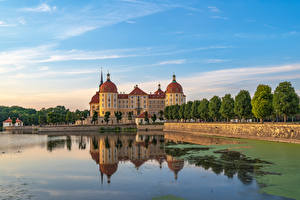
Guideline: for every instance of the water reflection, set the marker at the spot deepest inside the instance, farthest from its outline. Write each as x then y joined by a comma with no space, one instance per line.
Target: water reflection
110,150
146,163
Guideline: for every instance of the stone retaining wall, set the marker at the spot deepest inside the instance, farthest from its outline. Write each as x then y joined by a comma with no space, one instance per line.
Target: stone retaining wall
266,131
150,127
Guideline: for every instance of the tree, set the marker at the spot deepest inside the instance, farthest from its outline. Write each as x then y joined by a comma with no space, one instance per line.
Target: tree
154,117
166,112
194,112
227,107
175,112
106,116
130,114
214,107
161,115
146,118
203,109
187,110
95,117
181,111
286,100
242,104
118,116
70,118
262,102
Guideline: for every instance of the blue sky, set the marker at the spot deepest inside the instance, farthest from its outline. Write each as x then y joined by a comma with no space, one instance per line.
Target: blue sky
51,51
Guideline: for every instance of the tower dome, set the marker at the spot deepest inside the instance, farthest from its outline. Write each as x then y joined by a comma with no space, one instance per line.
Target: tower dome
108,86
174,87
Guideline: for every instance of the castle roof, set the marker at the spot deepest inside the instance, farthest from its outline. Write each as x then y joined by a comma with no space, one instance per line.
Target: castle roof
174,87
108,86
122,96
95,98
137,91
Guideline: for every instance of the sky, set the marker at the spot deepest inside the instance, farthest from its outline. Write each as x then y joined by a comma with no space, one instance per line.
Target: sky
52,51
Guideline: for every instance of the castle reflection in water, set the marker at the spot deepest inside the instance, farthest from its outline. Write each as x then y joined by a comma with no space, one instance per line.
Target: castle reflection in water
109,151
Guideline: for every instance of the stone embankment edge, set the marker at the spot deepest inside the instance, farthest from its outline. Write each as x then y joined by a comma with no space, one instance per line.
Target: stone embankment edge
289,133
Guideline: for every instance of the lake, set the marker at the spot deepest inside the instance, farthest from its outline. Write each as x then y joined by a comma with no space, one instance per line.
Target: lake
146,165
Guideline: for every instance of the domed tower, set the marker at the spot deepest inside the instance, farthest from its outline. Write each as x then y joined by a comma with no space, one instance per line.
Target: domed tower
174,93
108,97
175,165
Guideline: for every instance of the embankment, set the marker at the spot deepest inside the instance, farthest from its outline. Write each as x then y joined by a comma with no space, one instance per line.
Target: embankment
66,128
267,131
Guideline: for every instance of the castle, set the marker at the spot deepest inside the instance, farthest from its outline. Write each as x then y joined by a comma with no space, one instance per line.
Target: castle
107,99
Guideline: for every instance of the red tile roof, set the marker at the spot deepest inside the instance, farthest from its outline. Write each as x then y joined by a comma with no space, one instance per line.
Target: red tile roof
95,98
137,91
18,120
123,96
155,96
174,87
108,86
142,115
8,120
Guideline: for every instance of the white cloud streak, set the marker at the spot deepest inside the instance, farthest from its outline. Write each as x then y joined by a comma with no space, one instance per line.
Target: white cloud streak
44,7
213,9
172,62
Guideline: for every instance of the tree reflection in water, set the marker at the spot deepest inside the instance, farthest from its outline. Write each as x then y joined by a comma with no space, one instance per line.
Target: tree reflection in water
108,150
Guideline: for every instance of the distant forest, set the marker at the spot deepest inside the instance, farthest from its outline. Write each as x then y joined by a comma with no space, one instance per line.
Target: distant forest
29,116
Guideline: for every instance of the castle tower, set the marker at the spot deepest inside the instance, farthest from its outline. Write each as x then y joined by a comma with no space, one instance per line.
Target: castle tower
108,97
174,93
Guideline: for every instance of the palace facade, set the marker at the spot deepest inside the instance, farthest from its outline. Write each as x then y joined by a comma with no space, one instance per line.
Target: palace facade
108,99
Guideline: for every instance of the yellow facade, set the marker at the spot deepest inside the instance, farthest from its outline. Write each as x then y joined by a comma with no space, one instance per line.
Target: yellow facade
137,101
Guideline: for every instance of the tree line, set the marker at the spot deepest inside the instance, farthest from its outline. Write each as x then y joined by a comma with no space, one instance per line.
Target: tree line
281,104
56,115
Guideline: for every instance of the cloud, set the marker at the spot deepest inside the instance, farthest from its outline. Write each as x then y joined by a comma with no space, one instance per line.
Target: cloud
4,24
172,62
219,17
219,82
212,61
213,9
196,86
40,8
76,31
130,22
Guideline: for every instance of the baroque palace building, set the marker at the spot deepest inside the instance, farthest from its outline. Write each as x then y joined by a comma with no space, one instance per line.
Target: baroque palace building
107,99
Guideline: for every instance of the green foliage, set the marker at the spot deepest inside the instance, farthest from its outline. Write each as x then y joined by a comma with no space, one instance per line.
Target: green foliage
262,102
242,105
154,118
146,118
214,107
106,117
118,115
161,115
175,111
227,107
286,100
167,112
194,112
95,117
187,110
130,114
203,109
181,111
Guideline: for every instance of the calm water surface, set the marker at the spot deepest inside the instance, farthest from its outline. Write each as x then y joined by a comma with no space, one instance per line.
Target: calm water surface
129,166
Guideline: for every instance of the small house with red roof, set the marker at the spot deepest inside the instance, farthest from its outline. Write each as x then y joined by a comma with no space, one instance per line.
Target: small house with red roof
18,122
9,123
